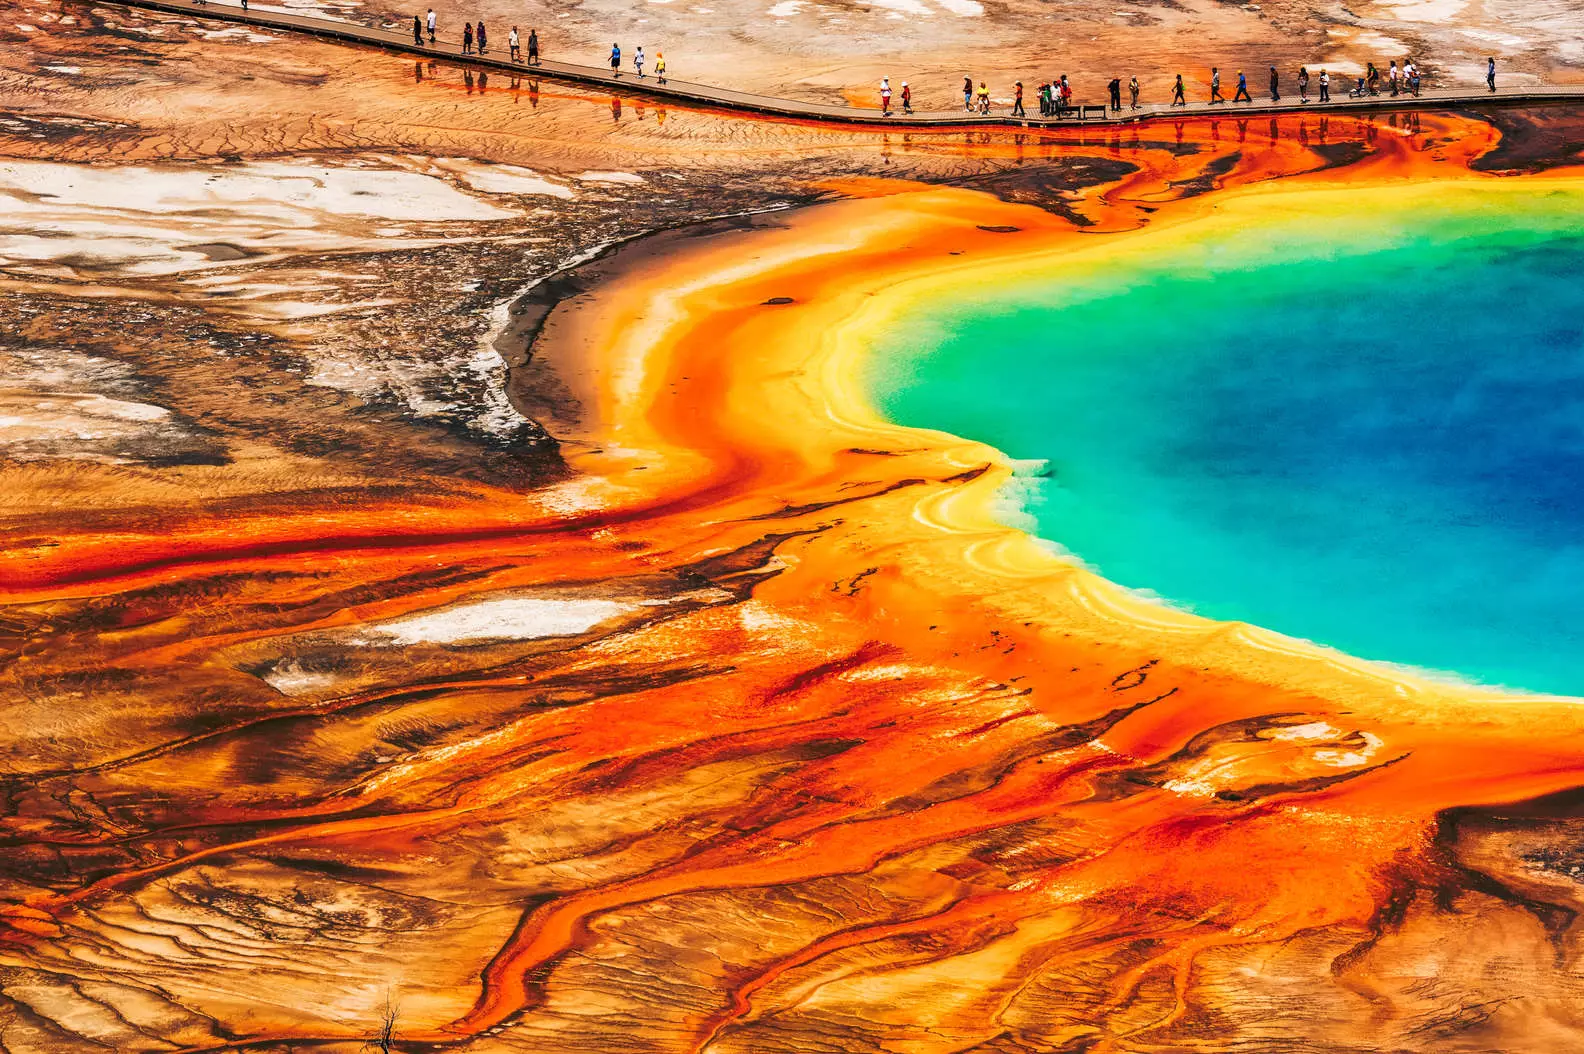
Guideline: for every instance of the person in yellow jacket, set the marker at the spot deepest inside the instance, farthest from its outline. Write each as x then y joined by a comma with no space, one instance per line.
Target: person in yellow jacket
984,98
660,66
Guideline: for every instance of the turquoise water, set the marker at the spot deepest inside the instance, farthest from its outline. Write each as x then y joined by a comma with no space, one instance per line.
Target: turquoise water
1369,435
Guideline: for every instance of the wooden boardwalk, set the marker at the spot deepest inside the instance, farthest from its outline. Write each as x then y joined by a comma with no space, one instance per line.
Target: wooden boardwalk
709,96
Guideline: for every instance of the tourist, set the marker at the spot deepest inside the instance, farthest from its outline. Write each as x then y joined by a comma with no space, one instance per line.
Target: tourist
1490,72
1325,86
514,45
638,61
1242,95
417,31
1372,80
616,60
1116,93
483,40
1045,99
1178,99
660,66
1017,100
1066,94
984,98
533,47
1215,87
1392,75
1275,85
1411,73
431,22
1303,83
1133,92
467,38
244,5
885,96
907,98
968,94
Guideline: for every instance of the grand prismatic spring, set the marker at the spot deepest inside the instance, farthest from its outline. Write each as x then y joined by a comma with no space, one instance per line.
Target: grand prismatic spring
492,566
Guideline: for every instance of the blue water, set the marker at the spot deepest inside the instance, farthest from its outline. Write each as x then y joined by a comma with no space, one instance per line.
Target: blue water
1377,445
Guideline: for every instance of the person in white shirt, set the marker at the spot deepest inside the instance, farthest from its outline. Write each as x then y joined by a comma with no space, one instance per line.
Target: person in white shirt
512,46
431,22
638,61
885,96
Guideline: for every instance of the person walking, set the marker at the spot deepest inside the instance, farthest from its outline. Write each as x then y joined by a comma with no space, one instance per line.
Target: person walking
467,38
1411,73
1392,76
885,96
984,98
660,66
1178,99
1303,83
1215,87
1372,80
1242,95
1133,92
907,98
1017,100
244,5
638,61
968,94
533,47
481,37
1116,93
417,31
1275,85
615,61
514,45
431,23
1325,86
1066,93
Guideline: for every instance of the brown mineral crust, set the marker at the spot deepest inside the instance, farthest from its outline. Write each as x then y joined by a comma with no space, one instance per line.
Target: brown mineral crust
322,683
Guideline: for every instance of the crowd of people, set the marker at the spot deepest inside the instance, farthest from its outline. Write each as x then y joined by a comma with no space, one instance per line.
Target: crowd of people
475,38
1056,95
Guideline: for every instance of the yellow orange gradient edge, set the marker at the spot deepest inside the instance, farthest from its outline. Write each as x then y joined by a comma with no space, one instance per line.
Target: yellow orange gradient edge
692,370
